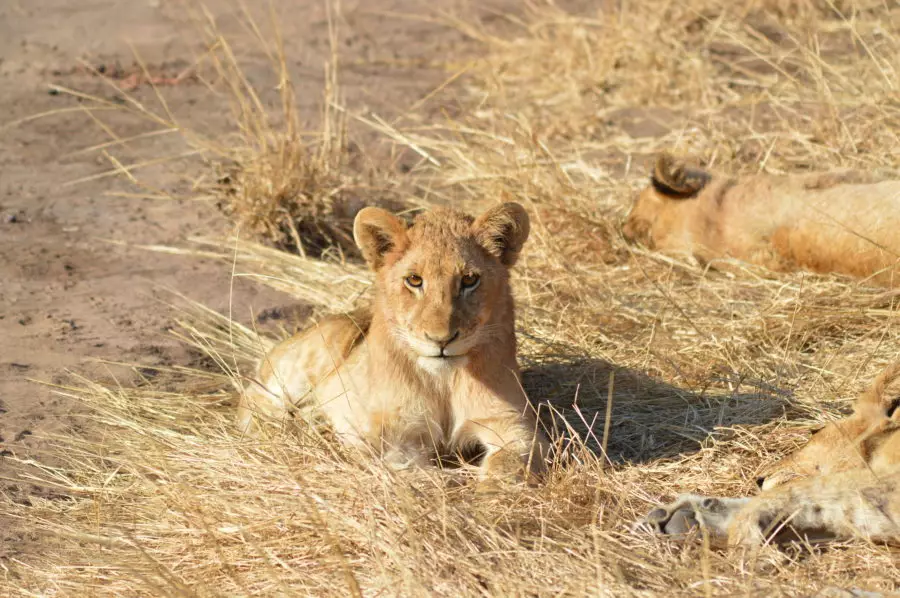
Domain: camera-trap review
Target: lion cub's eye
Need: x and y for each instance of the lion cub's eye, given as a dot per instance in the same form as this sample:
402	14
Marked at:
470	281
413	281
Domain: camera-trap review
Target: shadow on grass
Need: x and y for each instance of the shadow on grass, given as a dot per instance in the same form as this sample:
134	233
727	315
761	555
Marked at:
650	419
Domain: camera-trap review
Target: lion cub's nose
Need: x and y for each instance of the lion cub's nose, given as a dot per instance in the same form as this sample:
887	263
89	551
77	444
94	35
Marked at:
444	340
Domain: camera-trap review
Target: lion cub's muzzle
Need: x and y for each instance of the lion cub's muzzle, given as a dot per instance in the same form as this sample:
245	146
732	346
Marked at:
638	230
435	352
442	345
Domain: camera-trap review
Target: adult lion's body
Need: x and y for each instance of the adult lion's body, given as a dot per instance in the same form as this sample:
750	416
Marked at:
431	366
842	222
844	483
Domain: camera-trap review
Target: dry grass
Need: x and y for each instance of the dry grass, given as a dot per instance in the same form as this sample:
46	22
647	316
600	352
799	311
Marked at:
718	371
290	187
296	190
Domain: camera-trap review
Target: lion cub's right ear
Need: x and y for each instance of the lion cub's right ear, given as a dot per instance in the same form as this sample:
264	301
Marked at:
676	179
377	232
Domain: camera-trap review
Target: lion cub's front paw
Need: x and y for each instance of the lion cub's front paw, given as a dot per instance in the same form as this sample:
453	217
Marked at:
676	518
690	511
511	467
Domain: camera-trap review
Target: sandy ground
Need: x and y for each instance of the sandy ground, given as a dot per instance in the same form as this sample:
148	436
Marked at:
68	298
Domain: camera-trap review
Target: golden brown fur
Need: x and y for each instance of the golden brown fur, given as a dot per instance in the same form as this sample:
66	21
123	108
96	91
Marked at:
841	222
844	483
431	367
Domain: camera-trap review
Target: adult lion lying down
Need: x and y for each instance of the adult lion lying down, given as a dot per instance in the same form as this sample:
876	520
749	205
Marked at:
431	367
842	222
844	483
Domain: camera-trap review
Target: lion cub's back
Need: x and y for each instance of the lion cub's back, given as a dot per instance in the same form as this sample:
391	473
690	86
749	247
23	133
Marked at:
847	228
288	374
318	349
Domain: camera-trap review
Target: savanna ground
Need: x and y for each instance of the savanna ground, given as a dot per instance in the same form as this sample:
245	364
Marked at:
165	217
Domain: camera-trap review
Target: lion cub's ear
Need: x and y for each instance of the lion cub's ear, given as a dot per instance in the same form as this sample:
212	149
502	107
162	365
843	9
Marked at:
674	178
503	231
377	232
880	401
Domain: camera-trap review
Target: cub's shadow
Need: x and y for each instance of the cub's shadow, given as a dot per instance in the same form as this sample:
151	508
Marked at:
649	419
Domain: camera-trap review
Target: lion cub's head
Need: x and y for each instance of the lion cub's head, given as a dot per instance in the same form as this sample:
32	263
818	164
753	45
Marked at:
657	210
869	438
442	285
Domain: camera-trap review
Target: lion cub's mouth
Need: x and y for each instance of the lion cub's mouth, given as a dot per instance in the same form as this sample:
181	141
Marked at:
437	363
431	355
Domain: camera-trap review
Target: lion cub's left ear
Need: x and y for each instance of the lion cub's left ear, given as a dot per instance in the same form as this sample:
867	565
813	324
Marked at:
880	400
503	231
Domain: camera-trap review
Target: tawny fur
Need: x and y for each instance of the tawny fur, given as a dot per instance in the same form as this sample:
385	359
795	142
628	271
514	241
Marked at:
431	367
836	222
844	483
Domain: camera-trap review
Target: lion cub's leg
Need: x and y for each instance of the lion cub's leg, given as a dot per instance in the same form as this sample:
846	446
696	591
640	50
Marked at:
513	445
301	372
842	505
850	504
690	511
405	439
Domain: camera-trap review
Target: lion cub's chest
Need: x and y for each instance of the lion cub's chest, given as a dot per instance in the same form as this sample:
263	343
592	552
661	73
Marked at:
396	400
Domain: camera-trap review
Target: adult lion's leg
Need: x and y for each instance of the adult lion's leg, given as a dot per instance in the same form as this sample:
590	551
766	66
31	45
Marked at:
858	503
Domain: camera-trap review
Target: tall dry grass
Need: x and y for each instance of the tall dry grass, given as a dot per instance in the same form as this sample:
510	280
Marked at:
718	371
276	179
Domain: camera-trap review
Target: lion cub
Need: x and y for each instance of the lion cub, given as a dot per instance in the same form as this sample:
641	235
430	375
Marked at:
842	222
844	483
431	366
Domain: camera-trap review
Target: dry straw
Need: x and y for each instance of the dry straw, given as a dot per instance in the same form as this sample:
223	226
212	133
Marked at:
718	370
